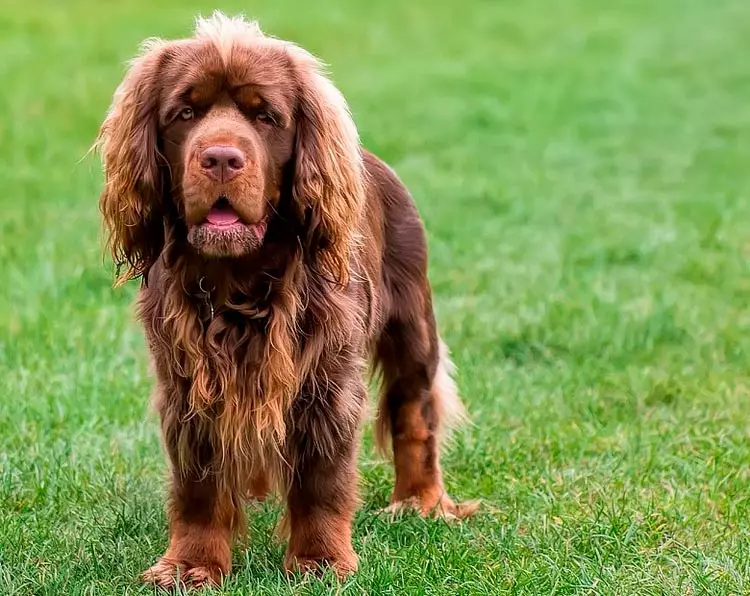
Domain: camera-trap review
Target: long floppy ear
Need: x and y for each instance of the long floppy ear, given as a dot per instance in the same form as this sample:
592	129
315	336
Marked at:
131	203
328	173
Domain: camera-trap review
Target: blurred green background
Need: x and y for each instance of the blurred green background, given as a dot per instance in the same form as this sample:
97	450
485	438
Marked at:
581	167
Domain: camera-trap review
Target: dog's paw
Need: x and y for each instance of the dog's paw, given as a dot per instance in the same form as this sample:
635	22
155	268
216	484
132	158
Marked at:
168	575
342	565
427	505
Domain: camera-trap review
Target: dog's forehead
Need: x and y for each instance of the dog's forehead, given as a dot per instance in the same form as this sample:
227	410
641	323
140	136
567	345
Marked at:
201	68
243	65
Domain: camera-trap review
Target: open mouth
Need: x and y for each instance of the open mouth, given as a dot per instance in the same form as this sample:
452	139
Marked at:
222	214
225	233
222	218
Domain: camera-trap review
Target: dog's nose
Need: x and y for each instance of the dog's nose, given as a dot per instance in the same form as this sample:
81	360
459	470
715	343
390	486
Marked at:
222	163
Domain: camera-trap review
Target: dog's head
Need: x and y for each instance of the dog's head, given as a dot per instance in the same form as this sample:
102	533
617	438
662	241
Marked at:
208	135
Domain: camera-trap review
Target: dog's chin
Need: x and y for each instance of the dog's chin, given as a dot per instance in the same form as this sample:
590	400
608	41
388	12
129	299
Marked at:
227	241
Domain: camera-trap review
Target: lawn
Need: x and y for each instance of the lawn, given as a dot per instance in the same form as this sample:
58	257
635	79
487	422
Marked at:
582	169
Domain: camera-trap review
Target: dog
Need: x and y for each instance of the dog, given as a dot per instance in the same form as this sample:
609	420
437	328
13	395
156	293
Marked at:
277	259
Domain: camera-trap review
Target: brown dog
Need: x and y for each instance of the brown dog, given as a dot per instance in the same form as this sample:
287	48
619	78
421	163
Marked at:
276	255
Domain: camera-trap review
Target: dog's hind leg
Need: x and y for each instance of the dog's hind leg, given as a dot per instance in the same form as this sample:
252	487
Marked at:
419	403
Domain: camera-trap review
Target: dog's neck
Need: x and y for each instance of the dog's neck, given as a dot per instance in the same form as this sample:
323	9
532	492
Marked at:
245	285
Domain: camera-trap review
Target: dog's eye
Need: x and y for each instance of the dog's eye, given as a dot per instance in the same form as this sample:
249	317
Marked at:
187	114
264	117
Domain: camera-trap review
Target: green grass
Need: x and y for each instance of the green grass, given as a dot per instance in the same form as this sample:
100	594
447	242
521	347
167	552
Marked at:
582	169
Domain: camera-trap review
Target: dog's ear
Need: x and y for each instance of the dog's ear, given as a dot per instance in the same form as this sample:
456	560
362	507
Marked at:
131	203
328	183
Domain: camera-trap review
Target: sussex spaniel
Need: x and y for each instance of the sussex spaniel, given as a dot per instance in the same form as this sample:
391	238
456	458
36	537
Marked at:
276	257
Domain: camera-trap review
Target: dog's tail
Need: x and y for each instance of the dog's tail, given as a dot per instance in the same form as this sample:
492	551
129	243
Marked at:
448	405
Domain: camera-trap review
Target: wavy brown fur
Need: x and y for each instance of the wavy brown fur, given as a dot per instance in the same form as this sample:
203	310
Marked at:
260	332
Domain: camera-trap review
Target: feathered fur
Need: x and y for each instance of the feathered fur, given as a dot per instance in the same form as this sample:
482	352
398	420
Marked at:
260	351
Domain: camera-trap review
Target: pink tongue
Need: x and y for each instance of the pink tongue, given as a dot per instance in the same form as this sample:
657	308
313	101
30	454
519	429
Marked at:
222	216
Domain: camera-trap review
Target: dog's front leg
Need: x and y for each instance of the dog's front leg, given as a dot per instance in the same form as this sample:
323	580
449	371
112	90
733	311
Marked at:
203	516
322	493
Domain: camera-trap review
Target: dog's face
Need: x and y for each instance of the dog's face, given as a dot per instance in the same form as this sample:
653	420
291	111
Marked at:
227	133
206	138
